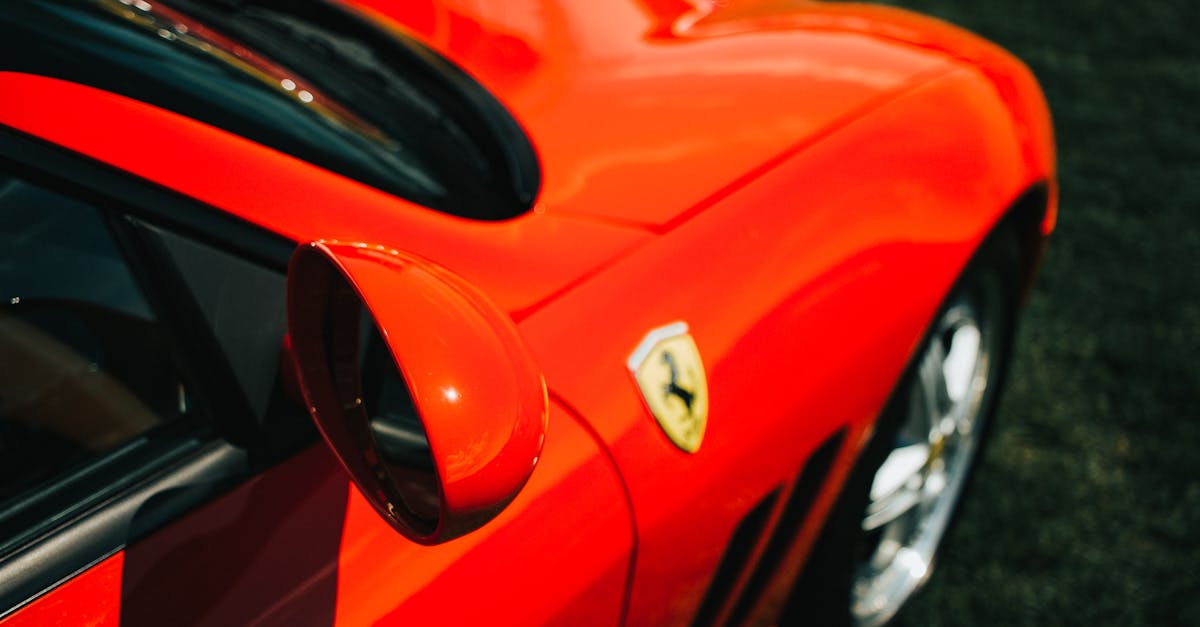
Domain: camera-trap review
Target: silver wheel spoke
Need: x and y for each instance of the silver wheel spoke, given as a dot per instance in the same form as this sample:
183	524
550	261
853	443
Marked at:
897	486
934	485
958	370
896	505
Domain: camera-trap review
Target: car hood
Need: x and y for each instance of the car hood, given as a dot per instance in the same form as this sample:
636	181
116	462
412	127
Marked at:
643	112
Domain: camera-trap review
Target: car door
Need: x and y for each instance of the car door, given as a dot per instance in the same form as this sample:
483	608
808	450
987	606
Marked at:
159	469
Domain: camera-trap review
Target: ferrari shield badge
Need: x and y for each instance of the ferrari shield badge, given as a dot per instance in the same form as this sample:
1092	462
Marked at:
668	371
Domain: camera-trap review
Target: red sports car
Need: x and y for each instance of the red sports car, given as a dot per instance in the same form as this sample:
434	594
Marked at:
646	312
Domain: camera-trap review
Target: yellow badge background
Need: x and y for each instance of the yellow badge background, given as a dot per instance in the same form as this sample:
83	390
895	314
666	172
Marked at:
653	375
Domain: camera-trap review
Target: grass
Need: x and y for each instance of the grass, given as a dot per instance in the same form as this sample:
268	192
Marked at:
1086	510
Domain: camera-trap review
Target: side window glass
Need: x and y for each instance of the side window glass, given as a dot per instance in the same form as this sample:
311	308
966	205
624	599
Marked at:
86	368
244	305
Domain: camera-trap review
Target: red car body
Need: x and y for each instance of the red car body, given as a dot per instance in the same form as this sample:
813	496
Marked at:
801	182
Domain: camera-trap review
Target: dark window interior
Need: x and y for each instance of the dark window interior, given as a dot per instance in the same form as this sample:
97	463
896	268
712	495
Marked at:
85	365
236	314
140	336
245	306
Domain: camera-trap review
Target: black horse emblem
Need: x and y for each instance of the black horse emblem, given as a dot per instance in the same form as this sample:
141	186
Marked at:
672	388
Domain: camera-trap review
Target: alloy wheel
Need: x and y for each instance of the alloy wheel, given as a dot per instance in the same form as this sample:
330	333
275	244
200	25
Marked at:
915	490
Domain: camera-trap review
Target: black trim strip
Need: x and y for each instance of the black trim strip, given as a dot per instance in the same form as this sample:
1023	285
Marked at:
733	563
115	190
111	526
795	513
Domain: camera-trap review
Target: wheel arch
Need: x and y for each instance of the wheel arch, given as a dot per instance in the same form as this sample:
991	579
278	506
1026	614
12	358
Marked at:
1026	215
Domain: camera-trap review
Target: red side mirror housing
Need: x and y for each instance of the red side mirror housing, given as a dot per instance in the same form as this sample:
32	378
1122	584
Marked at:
422	387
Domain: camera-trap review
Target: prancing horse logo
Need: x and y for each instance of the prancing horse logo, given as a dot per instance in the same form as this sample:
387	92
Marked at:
667	368
672	387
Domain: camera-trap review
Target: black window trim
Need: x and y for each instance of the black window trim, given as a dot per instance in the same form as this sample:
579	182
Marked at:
120	192
186	471
203	472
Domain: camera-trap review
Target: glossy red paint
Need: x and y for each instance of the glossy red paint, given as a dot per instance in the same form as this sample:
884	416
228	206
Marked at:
801	185
93	598
305	203
804	316
616	105
558	555
618	100
484	417
298	545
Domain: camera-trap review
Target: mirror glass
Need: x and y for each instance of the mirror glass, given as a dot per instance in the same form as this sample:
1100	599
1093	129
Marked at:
396	430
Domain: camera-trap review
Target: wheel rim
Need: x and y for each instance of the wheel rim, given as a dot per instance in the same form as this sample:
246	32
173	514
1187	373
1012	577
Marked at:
915	490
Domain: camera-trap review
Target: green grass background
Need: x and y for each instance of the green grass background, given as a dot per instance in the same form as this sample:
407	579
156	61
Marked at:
1086	510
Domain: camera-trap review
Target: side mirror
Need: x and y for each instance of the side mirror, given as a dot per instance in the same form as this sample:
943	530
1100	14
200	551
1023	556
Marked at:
420	385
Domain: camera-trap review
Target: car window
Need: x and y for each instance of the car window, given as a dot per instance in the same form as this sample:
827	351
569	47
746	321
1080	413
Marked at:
370	104
86	368
241	307
243	303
